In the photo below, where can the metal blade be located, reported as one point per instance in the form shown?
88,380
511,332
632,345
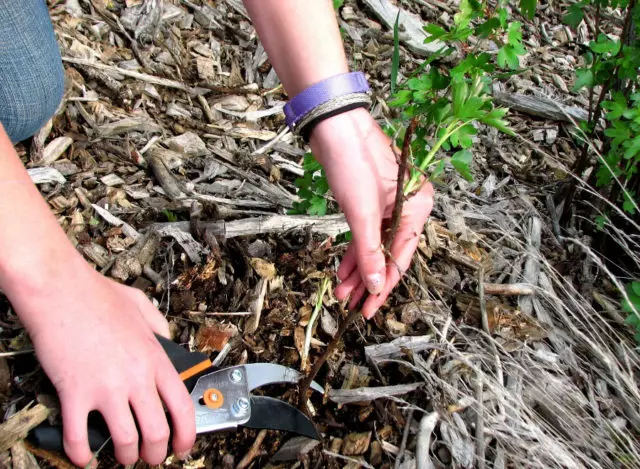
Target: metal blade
273,414
260,374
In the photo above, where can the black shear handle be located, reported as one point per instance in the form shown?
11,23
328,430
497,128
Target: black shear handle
188,364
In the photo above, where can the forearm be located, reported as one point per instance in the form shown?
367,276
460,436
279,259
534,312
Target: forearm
302,40
33,247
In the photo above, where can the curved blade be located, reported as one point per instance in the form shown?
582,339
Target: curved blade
273,414
260,374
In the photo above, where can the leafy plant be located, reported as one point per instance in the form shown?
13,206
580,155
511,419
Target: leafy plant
312,187
611,66
632,308
450,102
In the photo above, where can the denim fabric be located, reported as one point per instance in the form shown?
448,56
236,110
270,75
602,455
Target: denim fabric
31,72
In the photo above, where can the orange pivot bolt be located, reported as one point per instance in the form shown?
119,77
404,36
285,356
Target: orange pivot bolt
213,398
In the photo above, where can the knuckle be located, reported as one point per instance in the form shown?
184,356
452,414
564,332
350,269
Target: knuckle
159,435
126,437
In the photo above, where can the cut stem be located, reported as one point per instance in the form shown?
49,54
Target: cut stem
312,320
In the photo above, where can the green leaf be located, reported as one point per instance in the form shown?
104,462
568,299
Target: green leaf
337,4
508,56
619,133
616,108
459,90
604,45
632,148
321,186
461,161
402,98
472,108
495,119
317,206
435,31
635,290
310,164
574,16
465,12
528,8
465,134
488,27
584,77
600,222
502,15
395,61
170,215
514,33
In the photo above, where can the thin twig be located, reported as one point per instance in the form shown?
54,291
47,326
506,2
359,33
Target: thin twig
480,424
364,464
405,437
253,451
17,352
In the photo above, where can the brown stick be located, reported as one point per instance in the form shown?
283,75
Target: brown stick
391,233
253,452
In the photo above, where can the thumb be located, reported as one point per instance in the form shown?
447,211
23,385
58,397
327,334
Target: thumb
365,227
152,316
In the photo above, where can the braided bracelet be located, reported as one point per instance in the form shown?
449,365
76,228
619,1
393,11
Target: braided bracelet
330,97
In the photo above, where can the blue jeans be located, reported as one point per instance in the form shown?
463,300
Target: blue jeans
31,72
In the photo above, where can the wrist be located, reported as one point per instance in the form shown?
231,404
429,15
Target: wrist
352,125
32,282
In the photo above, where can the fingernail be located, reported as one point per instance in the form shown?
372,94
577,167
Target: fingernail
183,456
374,283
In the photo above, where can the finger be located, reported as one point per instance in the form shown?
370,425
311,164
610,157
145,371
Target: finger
151,314
178,401
402,251
365,225
414,215
153,426
117,415
348,264
75,438
343,290
356,296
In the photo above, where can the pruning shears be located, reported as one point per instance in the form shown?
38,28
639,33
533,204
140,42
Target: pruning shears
222,399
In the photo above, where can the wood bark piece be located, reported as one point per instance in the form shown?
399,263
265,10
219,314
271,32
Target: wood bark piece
398,347
130,73
21,458
165,178
188,144
330,225
413,35
191,247
55,149
532,264
256,306
18,426
46,175
539,106
294,448
427,425
130,124
127,229
346,396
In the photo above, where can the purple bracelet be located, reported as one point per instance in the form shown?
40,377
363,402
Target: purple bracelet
316,95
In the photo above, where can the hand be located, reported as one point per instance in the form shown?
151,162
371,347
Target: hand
362,172
95,340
